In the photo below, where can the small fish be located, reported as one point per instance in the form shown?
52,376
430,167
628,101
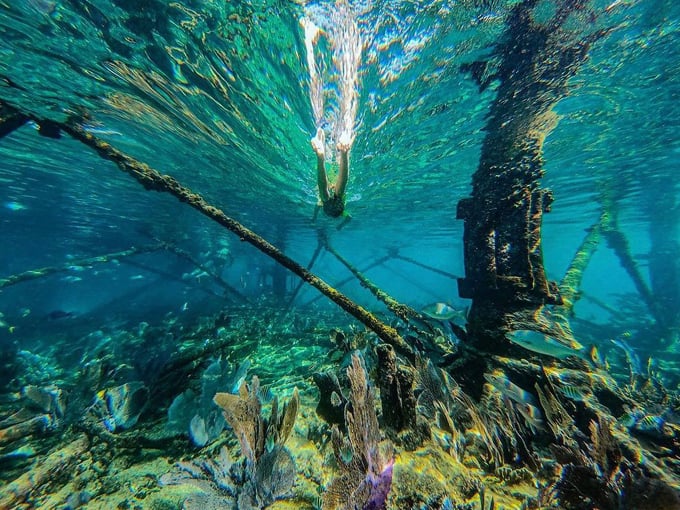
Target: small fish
240,376
532,416
631,418
652,368
543,344
14,206
71,279
200,275
185,306
596,357
101,131
118,408
137,277
23,452
501,382
575,393
631,355
650,424
56,315
441,311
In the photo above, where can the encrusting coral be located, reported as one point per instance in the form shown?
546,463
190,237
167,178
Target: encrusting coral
396,390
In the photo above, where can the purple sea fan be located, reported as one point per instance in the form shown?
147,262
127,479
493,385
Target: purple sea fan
380,488
366,465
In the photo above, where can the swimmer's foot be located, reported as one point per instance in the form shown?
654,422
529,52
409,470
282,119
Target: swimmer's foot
345,142
319,143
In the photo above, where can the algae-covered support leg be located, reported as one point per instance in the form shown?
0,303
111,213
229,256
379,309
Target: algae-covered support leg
344,281
310,265
153,180
504,273
618,242
570,285
75,264
399,309
216,278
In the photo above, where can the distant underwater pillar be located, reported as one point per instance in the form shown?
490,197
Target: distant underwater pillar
504,272
664,258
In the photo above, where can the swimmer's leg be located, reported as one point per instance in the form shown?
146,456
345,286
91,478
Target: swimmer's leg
347,48
315,80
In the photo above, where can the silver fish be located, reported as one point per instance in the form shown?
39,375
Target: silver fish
532,416
547,345
631,355
441,311
501,382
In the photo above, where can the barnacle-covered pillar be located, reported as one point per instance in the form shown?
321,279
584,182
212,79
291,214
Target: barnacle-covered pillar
504,273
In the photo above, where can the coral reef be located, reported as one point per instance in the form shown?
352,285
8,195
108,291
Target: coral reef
603,469
196,414
119,408
603,444
58,464
267,472
396,390
365,464
332,401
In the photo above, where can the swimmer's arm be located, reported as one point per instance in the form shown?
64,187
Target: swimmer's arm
321,178
343,171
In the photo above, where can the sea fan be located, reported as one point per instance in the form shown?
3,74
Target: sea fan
365,464
213,477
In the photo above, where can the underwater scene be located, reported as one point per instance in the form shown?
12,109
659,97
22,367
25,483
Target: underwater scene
340,254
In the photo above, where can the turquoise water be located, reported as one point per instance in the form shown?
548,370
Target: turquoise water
216,94
232,121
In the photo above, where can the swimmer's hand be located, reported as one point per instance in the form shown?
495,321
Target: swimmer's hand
345,142
319,143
